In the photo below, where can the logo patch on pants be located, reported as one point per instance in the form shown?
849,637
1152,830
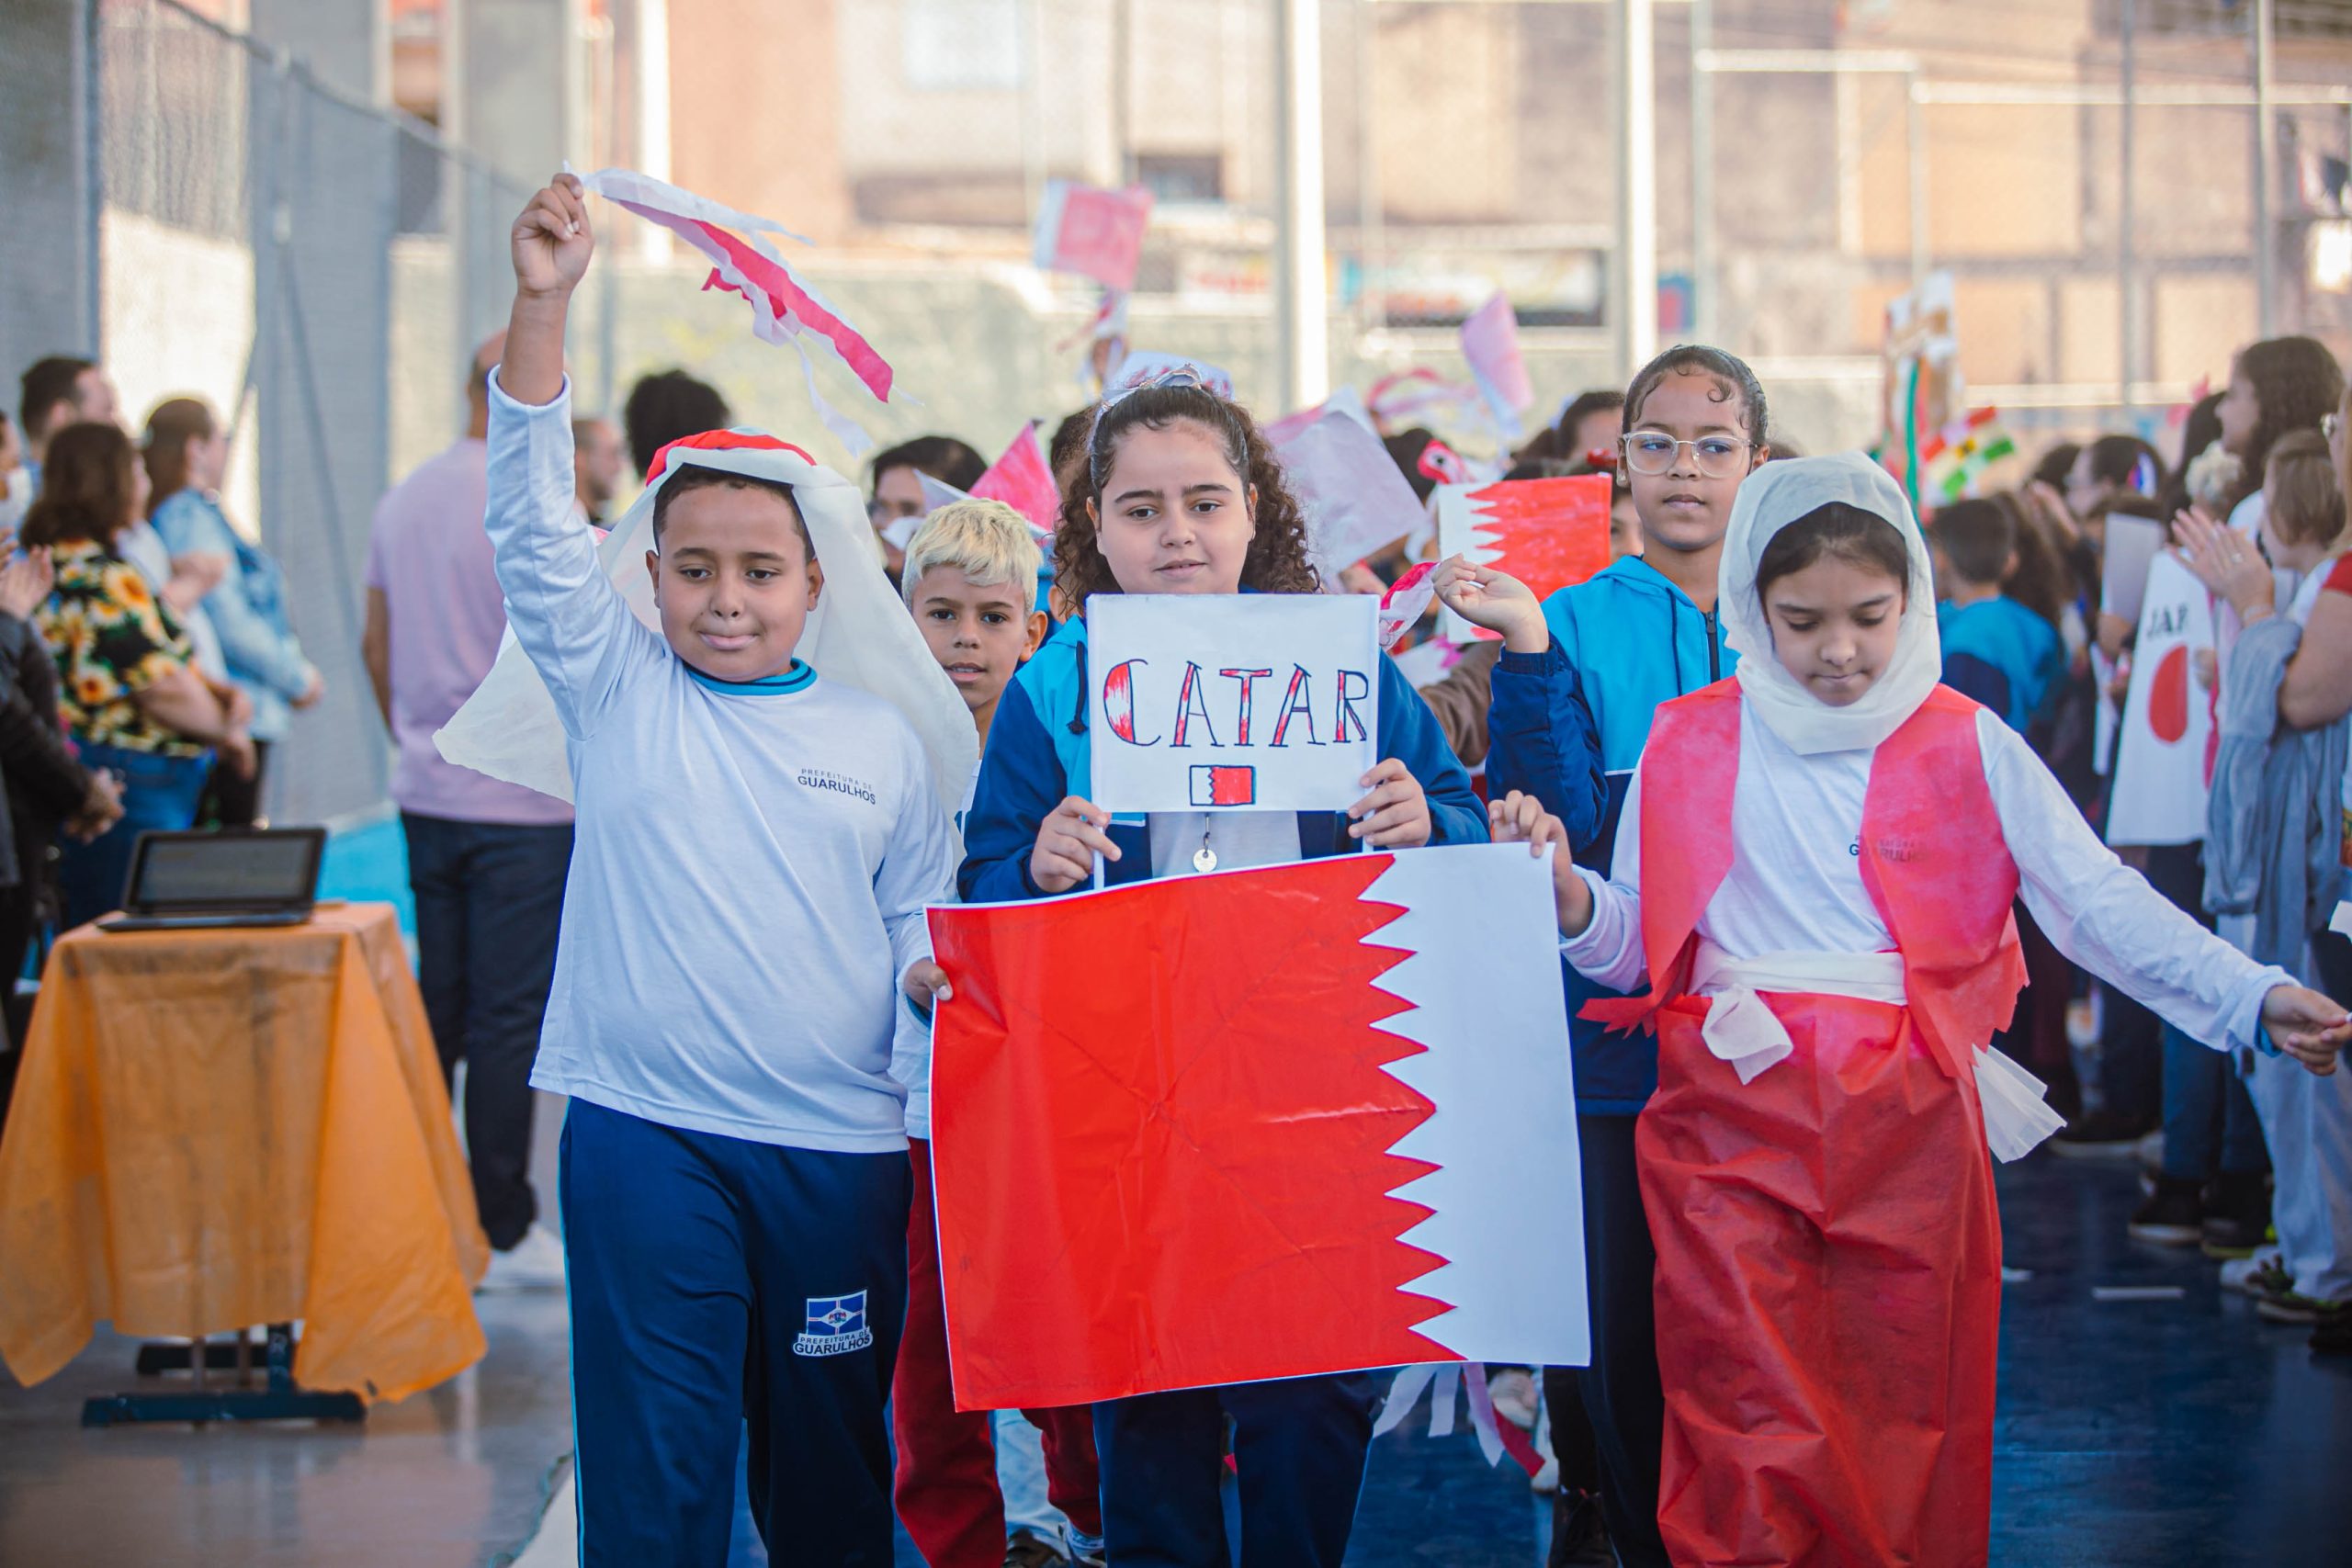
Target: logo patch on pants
836,1326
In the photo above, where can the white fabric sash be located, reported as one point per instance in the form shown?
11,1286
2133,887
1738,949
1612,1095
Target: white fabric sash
1742,1031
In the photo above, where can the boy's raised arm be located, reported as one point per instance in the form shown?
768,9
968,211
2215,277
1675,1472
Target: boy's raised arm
566,613
551,242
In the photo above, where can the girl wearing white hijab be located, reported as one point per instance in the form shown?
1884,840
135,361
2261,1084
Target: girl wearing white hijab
1815,879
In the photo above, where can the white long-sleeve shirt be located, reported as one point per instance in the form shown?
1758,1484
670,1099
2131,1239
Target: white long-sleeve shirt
1795,885
751,865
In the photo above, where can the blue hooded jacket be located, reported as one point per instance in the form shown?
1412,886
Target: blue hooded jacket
2001,654
1037,754
1623,642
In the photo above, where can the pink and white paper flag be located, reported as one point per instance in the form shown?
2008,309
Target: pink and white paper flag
1023,479
1093,232
784,308
1490,343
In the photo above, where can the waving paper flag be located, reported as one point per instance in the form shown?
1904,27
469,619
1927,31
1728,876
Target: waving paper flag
1490,343
784,308
1354,500
1265,1124
1023,479
1546,533
1093,232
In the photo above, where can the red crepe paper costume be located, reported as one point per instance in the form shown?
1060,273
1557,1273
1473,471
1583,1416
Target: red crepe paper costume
1828,1277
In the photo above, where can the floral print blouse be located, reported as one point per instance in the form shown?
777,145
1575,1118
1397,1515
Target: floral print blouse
111,638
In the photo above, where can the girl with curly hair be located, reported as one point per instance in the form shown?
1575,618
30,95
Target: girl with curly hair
1182,495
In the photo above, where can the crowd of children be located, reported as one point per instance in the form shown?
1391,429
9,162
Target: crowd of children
1810,769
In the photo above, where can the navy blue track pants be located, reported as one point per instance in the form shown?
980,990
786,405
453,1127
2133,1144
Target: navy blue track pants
717,1282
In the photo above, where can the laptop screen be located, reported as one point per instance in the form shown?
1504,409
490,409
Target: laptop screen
236,871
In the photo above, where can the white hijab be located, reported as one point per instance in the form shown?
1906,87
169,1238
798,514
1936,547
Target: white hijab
1770,500
859,634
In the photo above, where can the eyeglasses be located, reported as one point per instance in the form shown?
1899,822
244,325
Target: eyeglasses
1654,451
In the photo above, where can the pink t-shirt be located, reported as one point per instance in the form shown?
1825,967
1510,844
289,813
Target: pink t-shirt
429,555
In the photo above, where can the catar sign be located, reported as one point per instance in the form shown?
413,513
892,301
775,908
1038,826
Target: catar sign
1258,702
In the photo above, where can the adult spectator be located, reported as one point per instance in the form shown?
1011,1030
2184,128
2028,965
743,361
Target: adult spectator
666,406
595,468
47,787
487,860
55,392
130,692
187,454
898,502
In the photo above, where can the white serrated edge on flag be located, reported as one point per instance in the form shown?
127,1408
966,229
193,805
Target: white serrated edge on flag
1483,976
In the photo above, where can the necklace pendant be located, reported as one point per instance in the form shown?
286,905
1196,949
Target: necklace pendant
1205,859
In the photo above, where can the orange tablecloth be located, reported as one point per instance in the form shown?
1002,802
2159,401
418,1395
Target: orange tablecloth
214,1129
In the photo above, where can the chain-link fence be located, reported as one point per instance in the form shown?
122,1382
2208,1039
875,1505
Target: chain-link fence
305,264
321,266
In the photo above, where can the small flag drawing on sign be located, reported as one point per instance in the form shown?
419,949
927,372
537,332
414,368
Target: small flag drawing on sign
836,1326
1224,786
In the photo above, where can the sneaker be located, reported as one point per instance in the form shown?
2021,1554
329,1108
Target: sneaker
2173,1217
2258,1274
2101,1135
2237,1216
2287,1306
1579,1537
1514,1393
1025,1551
534,1263
1085,1550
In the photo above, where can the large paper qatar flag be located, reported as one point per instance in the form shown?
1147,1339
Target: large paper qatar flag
1263,1124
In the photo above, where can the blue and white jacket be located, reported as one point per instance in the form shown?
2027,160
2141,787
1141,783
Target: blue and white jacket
1038,755
1567,727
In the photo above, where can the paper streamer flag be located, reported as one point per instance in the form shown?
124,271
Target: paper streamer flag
1267,1123
2164,763
1093,232
1546,533
1490,343
1354,500
1023,479
784,308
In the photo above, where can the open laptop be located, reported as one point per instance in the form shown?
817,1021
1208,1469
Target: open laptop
259,877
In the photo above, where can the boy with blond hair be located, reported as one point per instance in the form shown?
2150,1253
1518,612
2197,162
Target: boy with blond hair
971,578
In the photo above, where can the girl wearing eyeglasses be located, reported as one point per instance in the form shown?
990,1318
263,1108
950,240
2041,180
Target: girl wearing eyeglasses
1642,632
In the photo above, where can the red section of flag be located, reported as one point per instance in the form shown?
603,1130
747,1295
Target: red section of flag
1160,1135
1546,533
1023,479
1216,785
2168,696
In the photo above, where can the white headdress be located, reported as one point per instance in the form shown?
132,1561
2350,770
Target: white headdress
859,633
1770,500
